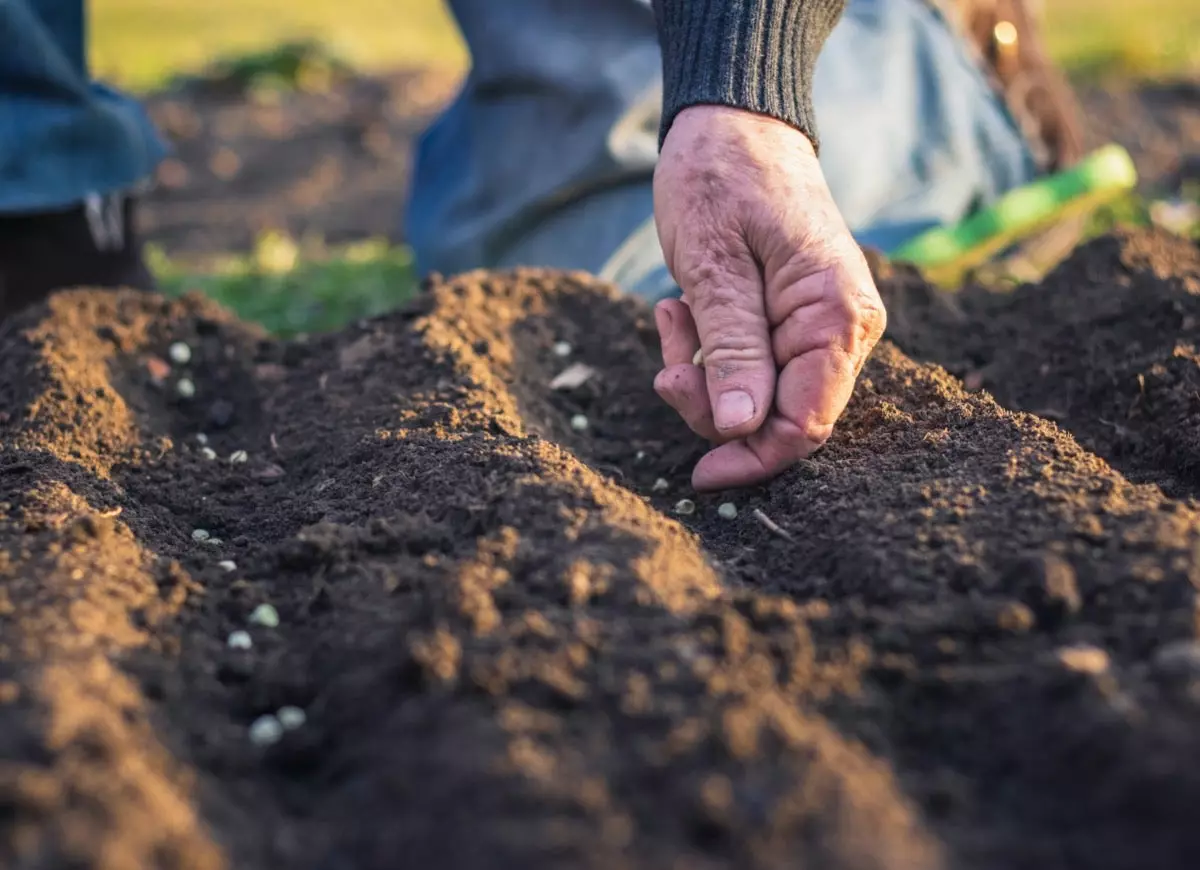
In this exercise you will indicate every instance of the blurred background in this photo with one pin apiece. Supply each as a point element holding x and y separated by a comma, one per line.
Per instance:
<point>292,122</point>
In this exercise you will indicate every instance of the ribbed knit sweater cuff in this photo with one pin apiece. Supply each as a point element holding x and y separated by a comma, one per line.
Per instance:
<point>756,55</point>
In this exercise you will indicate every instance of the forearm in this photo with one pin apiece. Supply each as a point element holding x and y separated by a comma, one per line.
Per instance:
<point>756,55</point>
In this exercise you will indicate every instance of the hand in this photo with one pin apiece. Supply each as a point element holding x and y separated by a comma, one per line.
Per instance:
<point>776,293</point>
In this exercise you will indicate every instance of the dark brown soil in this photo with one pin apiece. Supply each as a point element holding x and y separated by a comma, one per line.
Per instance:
<point>1107,346</point>
<point>333,164</point>
<point>967,642</point>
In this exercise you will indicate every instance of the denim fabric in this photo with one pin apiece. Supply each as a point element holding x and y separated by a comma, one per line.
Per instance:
<point>62,136</point>
<point>547,155</point>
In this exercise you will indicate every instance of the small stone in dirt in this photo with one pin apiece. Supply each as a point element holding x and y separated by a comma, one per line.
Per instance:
<point>208,453</point>
<point>220,413</point>
<point>727,511</point>
<point>180,353</point>
<point>685,507</point>
<point>562,348</point>
<point>1084,659</point>
<point>290,717</point>
<point>200,535</point>
<point>265,615</point>
<point>238,456</point>
<point>579,423</point>
<point>660,485</point>
<point>227,565</point>
<point>266,731</point>
<point>240,640</point>
<point>185,388</point>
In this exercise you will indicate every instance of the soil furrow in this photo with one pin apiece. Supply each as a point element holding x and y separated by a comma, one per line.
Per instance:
<point>966,642</point>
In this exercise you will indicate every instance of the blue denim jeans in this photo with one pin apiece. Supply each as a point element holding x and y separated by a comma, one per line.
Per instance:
<point>63,137</point>
<point>547,155</point>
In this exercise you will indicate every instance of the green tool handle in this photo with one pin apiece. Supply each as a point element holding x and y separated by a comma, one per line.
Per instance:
<point>1103,174</point>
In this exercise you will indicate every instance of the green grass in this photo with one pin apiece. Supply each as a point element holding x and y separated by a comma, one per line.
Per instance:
<point>289,290</point>
<point>1149,38</point>
<point>142,44</point>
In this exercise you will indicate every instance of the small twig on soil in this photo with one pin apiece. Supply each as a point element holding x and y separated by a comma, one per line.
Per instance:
<point>773,526</point>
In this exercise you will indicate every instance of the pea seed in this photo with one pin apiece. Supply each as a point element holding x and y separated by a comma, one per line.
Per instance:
<point>180,353</point>
<point>685,507</point>
<point>727,511</point>
<point>208,453</point>
<point>200,535</point>
<point>579,423</point>
<point>660,485</point>
<point>201,438</point>
<point>239,640</point>
<point>266,731</point>
<point>290,717</point>
<point>227,565</point>
<point>562,348</point>
<point>185,388</point>
<point>238,456</point>
<point>265,615</point>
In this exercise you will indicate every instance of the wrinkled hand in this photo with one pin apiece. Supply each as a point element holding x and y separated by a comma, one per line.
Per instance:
<point>776,293</point>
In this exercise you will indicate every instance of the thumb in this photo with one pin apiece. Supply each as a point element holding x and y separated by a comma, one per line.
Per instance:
<point>731,320</point>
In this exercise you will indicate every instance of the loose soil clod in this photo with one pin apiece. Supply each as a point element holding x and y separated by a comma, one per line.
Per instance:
<point>972,647</point>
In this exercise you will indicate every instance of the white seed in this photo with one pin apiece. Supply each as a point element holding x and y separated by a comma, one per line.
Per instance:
<point>214,542</point>
<point>660,485</point>
<point>639,456</point>
<point>185,388</point>
<point>238,456</point>
<point>727,511</point>
<point>685,507</point>
<point>698,357</point>
<point>208,453</point>
<point>579,423</point>
<point>240,640</point>
<point>180,353</point>
<point>266,731</point>
<point>201,438</point>
<point>562,348</point>
<point>265,615</point>
<point>290,717</point>
<point>200,535</point>
<point>227,565</point>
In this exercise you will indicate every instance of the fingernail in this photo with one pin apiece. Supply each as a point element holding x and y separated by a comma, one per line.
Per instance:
<point>733,409</point>
<point>662,317</point>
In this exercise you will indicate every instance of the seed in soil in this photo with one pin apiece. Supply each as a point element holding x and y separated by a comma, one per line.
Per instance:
<point>238,456</point>
<point>208,453</point>
<point>727,511</point>
<point>685,507</point>
<point>180,353</point>
<point>214,542</point>
<point>698,357</point>
<point>239,640</point>
<point>185,388</point>
<point>562,348</point>
<point>290,717</point>
<point>200,535</point>
<point>201,439</point>
<point>579,423</point>
<point>660,485</point>
<point>266,731</point>
<point>227,565</point>
<point>265,615</point>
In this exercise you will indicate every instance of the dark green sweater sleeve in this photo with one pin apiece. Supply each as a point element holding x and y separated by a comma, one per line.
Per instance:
<point>756,55</point>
